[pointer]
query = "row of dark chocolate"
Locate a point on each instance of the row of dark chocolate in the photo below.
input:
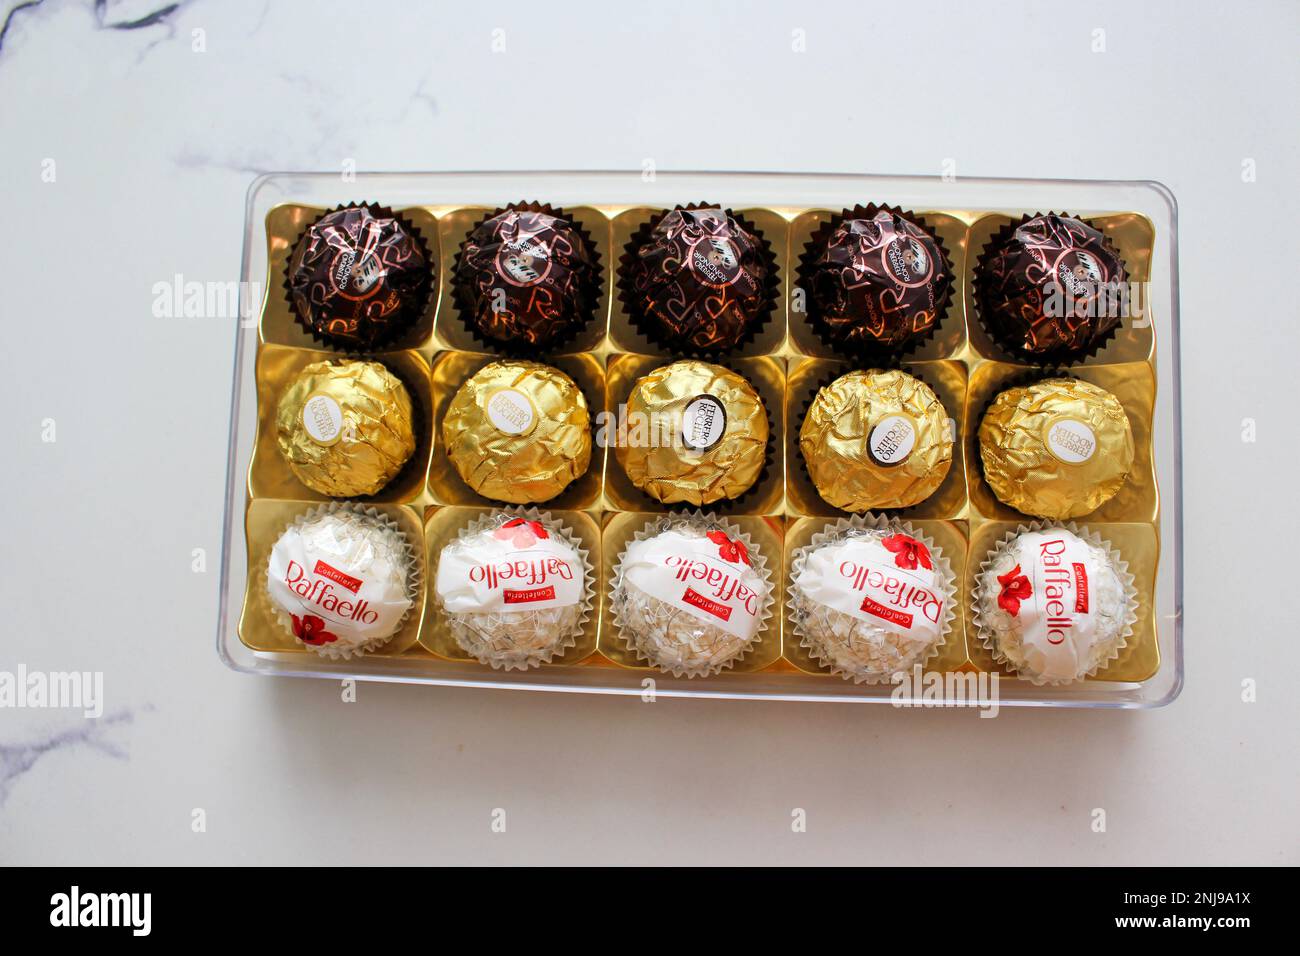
(701, 280)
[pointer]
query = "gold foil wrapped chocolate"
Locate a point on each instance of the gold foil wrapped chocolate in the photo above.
(1058, 448)
(345, 427)
(518, 431)
(876, 439)
(696, 433)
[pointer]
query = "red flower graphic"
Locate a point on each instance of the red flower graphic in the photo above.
(1015, 588)
(521, 532)
(311, 630)
(728, 550)
(908, 552)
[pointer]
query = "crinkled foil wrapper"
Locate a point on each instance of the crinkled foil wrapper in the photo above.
(377, 436)
(542, 268)
(535, 465)
(663, 466)
(700, 277)
(519, 639)
(357, 541)
(837, 428)
(1029, 264)
(359, 276)
(1111, 592)
(877, 279)
(1019, 465)
(852, 648)
(668, 637)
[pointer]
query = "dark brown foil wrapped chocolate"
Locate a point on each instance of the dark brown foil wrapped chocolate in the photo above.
(877, 279)
(698, 279)
(359, 277)
(527, 277)
(1045, 288)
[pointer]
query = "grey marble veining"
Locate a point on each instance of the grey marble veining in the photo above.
(104, 735)
(107, 16)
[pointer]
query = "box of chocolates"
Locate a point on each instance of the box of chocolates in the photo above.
(787, 436)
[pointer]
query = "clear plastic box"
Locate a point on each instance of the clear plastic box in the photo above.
(788, 194)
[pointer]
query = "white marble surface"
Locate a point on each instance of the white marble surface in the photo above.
(153, 147)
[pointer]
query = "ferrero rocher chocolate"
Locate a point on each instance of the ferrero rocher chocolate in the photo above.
(876, 439)
(1058, 448)
(515, 588)
(345, 427)
(527, 277)
(518, 431)
(877, 280)
(870, 598)
(342, 580)
(1047, 288)
(696, 433)
(359, 277)
(690, 595)
(698, 280)
(1053, 605)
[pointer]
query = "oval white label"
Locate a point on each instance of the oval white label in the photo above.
(703, 422)
(1071, 440)
(511, 411)
(322, 418)
(892, 439)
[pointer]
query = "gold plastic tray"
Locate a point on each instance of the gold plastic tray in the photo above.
(786, 363)
(1142, 364)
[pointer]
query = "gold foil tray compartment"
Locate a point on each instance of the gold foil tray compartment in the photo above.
(284, 225)
(767, 375)
(449, 372)
(1132, 235)
(948, 536)
(949, 338)
(765, 533)
(269, 475)
(453, 228)
(946, 377)
(443, 525)
(1137, 545)
(624, 337)
(260, 629)
(1133, 383)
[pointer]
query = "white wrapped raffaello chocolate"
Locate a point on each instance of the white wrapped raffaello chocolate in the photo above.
(516, 588)
(691, 594)
(1054, 603)
(342, 579)
(871, 597)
